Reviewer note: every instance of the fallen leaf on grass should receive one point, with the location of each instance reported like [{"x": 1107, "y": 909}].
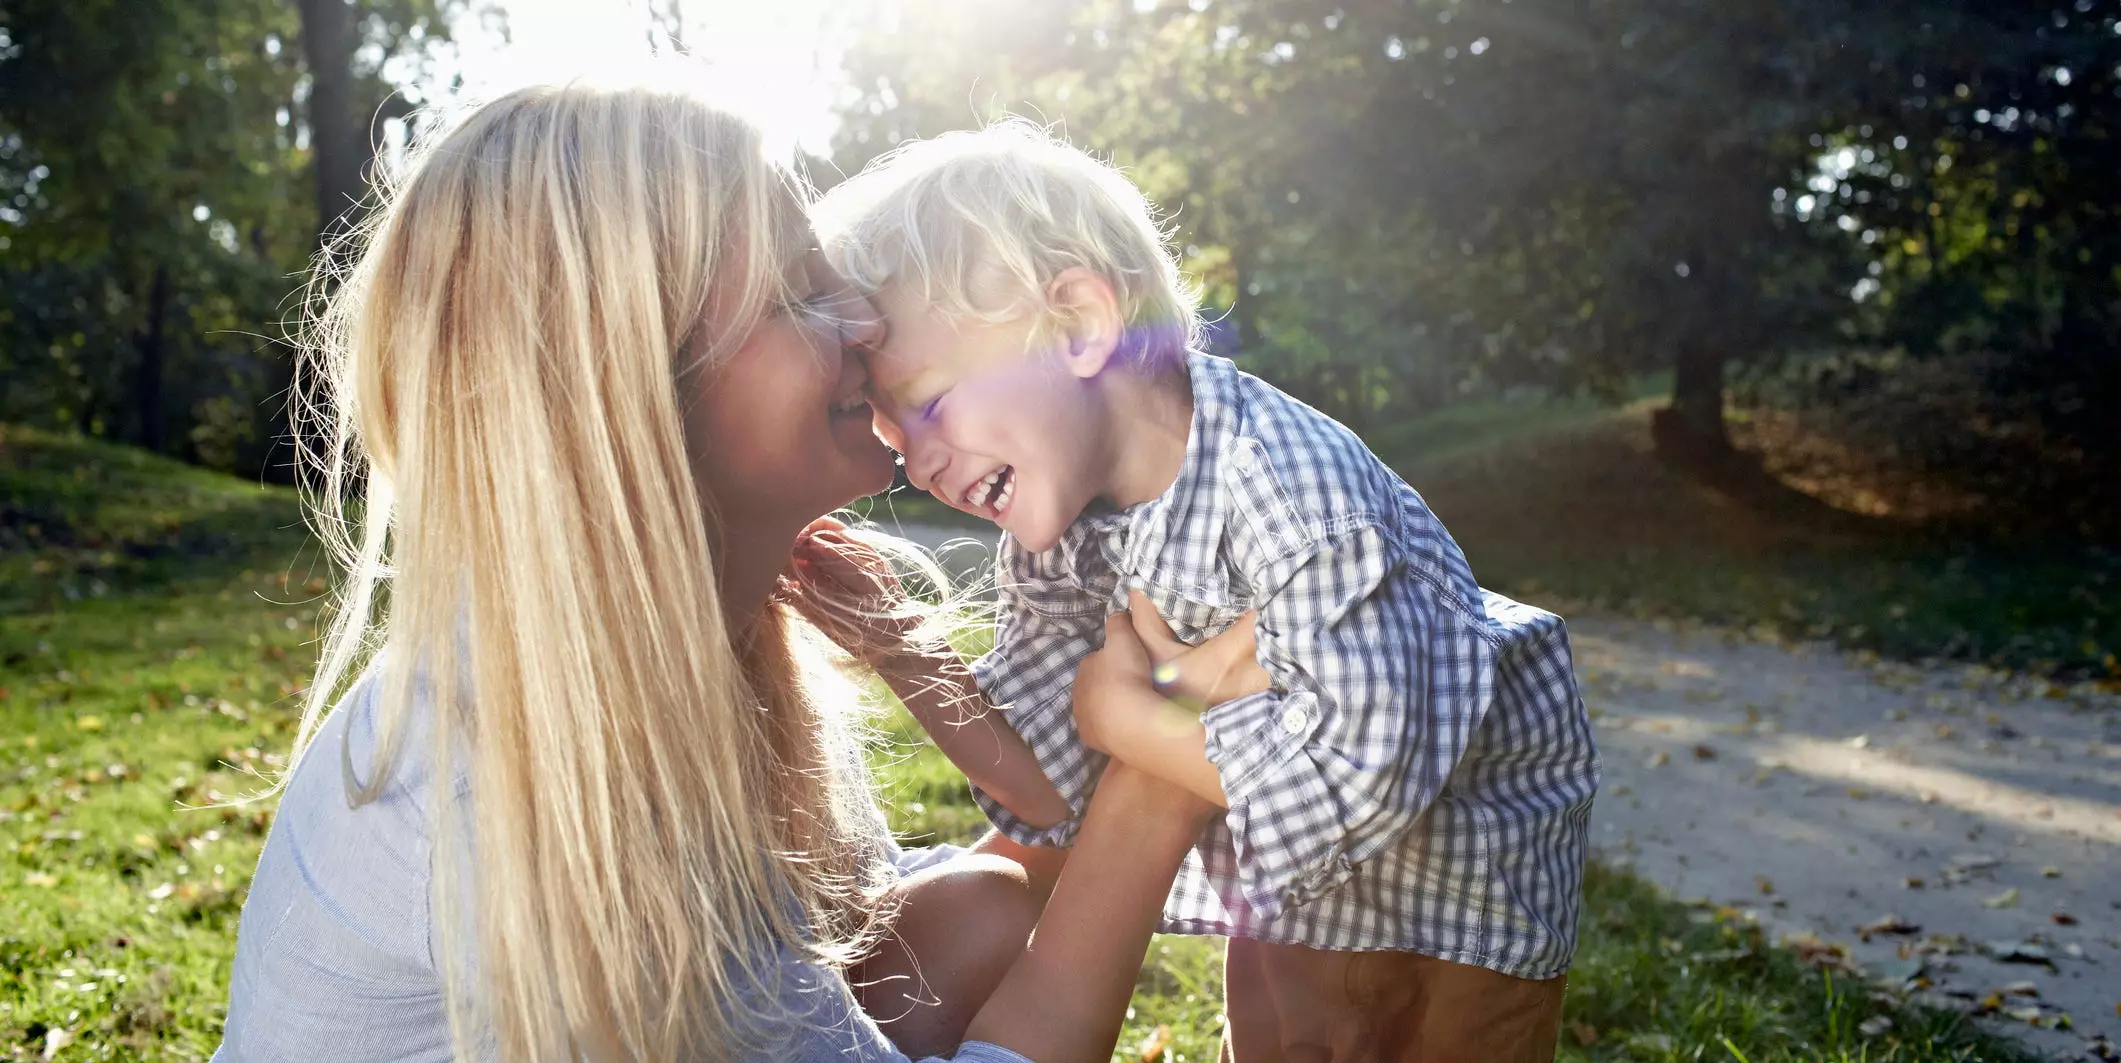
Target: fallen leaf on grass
[
  {"x": 1651, "y": 1042},
  {"x": 1152, "y": 1046},
  {"x": 1875, "y": 1026},
  {"x": 1823, "y": 954},
  {"x": 56, "y": 1039},
  {"x": 40, "y": 880}
]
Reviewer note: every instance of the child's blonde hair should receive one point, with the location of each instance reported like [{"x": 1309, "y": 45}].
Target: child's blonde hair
[{"x": 979, "y": 222}]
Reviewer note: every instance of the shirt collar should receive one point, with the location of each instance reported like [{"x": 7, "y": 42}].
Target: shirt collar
[{"x": 1173, "y": 537}]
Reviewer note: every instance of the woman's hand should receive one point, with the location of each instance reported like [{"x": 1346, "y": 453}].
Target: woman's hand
[
  {"x": 845, "y": 588},
  {"x": 1201, "y": 677}
]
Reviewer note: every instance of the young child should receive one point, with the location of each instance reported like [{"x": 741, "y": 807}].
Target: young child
[{"x": 1400, "y": 867}]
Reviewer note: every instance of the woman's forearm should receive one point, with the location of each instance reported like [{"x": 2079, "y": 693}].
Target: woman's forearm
[
  {"x": 1065, "y": 999},
  {"x": 941, "y": 696}
]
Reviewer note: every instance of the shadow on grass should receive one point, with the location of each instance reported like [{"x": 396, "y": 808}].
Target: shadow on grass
[
  {"x": 1588, "y": 516},
  {"x": 83, "y": 519}
]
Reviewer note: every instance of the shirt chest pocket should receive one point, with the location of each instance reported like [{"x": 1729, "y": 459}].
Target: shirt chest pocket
[{"x": 1195, "y": 614}]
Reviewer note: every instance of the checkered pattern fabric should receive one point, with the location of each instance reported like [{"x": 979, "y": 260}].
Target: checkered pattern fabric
[{"x": 1420, "y": 775}]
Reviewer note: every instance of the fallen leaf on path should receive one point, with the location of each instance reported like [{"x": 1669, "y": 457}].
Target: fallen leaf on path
[
  {"x": 2020, "y": 989},
  {"x": 2007, "y": 899},
  {"x": 2050, "y": 871},
  {"x": 1766, "y": 885},
  {"x": 2018, "y": 952},
  {"x": 2062, "y": 919},
  {"x": 1887, "y": 924},
  {"x": 1913, "y": 883},
  {"x": 1660, "y": 759},
  {"x": 1704, "y": 753}
]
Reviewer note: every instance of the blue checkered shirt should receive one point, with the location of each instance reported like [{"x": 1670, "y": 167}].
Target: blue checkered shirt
[{"x": 1419, "y": 776}]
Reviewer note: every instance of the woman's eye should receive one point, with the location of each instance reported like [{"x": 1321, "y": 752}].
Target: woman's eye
[{"x": 928, "y": 411}]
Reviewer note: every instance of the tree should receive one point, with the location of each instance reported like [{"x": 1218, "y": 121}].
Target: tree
[
  {"x": 1395, "y": 200},
  {"x": 155, "y": 159}
]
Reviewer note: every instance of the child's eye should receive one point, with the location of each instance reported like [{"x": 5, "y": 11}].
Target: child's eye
[{"x": 928, "y": 411}]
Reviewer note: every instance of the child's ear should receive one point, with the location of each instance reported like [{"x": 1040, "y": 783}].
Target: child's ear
[{"x": 1089, "y": 308}]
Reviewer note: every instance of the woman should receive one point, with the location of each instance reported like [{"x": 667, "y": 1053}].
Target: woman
[{"x": 580, "y": 799}]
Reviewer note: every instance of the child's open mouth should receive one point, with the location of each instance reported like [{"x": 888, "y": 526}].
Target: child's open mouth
[{"x": 993, "y": 494}]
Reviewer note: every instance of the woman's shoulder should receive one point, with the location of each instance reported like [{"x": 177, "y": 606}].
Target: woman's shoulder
[{"x": 334, "y": 955}]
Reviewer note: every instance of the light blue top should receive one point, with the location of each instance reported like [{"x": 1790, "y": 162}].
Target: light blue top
[{"x": 335, "y": 960}]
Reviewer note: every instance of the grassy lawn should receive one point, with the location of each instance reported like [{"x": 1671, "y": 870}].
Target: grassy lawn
[
  {"x": 1581, "y": 514},
  {"x": 154, "y": 629}
]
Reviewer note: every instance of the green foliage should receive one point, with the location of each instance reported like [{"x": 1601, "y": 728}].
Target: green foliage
[
  {"x": 1397, "y": 201},
  {"x": 155, "y": 211}
]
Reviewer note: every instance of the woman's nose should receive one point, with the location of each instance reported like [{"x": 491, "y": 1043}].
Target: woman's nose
[{"x": 861, "y": 325}]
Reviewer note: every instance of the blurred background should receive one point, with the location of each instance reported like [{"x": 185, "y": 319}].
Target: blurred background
[
  {"x": 1778, "y": 345},
  {"x": 1855, "y": 269}
]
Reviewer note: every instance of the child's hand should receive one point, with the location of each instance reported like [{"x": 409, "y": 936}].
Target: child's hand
[
  {"x": 1201, "y": 677},
  {"x": 846, "y": 589},
  {"x": 1112, "y": 684}
]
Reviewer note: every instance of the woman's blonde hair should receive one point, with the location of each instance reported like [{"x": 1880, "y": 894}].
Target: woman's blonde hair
[
  {"x": 979, "y": 222},
  {"x": 657, "y": 802}
]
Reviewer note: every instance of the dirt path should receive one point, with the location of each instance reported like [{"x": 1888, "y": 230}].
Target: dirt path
[
  {"x": 1970, "y": 820},
  {"x": 1952, "y": 829}
]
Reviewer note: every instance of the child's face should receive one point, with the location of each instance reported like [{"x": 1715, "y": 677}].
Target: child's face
[{"x": 988, "y": 425}]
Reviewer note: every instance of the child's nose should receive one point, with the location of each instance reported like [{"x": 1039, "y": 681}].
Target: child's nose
[{"x": 925, "y": 462}]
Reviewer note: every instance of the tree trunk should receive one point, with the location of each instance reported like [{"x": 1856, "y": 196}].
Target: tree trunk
[
  {"x": 147, "y": 372},
  {"x": 334, "y": 137},
  {"x": 1697, "y": 391}
]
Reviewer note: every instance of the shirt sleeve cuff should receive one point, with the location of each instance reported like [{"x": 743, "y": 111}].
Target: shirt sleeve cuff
[
  {"x": 1283, "y": 818},
  {"x": 1058, "y": 836},
  {"x": 980, "y": 1052}
]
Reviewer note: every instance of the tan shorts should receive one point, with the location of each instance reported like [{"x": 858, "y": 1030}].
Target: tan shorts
[{"x": 1290, "y": 1004}]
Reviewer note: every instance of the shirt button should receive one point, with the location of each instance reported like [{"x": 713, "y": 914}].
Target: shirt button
[
  {"x": 1244, "y": 458},
  {"x": 1294, "y": 720}
]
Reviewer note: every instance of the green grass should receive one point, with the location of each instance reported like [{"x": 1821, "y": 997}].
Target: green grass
[{"x": 154, "y": 633}]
